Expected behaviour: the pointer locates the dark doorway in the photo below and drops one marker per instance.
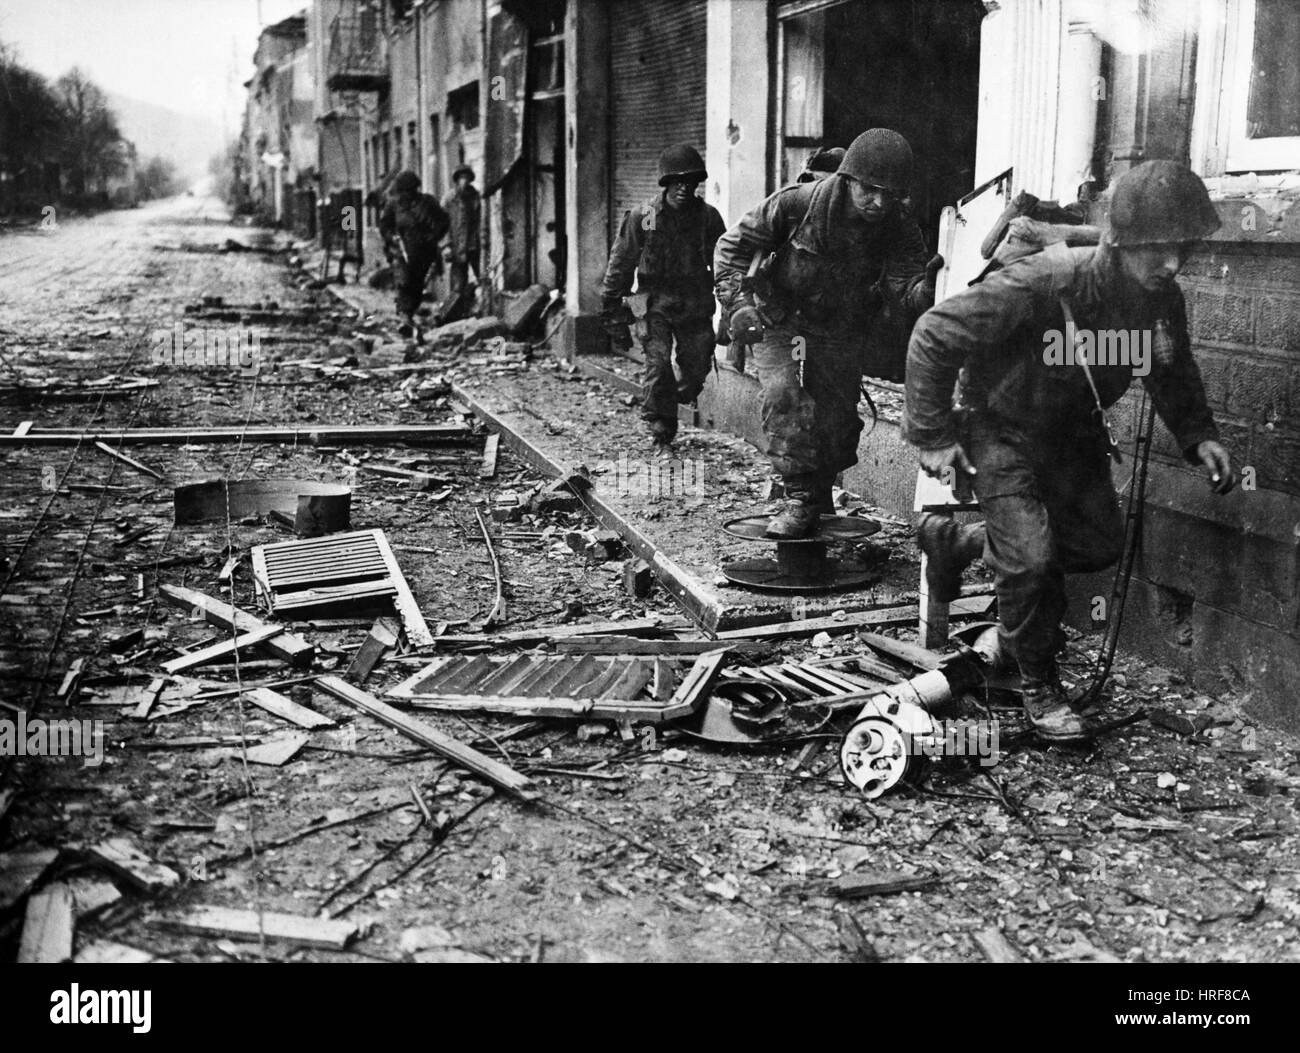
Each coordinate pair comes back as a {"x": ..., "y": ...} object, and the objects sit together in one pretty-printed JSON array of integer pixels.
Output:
[{"x": 859, "y": 64}]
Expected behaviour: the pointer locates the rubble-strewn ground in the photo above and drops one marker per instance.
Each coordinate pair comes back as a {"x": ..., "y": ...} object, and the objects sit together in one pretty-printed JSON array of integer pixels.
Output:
[{"x": 1152, "y": 845}]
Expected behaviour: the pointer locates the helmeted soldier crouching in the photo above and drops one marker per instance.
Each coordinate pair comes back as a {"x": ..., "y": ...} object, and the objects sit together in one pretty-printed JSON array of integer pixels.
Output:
[
  {"x": 411, "y": 224},
  {"x": 820, "y": 251},
  {"x": 1033, "y": 437},
  {"x": 667, "y": 243}
]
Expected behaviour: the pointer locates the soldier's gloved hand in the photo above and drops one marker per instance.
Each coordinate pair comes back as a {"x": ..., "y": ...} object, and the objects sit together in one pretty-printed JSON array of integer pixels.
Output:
[
  {"x": 620, "y": 337},
  {"x": 948, "y": 464},
  {"x": 932, "y": 270},
  {"x": 746, "y": 325},
  {"x": 1218, "y": 464}
]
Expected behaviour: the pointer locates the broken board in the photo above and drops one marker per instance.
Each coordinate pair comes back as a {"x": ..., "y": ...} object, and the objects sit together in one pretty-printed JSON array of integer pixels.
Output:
[
  {"x": 293, "y": 649},
  {"x": 248, "y": 924},
  {"x": 453, "y": 749}
]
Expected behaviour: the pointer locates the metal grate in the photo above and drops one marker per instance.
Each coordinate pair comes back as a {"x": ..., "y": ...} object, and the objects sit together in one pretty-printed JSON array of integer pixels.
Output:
[
  {"x": 356, "y": 568},
  {"x": 616, "y": 687}
]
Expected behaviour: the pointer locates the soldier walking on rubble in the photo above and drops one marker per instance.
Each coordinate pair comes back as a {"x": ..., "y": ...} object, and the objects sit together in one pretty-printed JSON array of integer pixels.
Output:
[
  {"x": 1033, "y": 436},
  {"x": 820, "y": 251},
  {"x": 411, "y": 225},
  {"x": 667, "y": 243},
  {"x": 463, "y": 209}
]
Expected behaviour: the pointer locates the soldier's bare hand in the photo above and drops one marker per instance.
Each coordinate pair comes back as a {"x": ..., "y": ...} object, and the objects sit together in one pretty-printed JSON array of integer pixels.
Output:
[
  {"x": 937, "y": 463},
  {"x": 1218, "y": 465}
]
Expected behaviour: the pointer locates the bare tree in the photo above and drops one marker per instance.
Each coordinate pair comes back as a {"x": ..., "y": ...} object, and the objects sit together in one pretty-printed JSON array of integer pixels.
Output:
[{"x": 90, "y": 131}]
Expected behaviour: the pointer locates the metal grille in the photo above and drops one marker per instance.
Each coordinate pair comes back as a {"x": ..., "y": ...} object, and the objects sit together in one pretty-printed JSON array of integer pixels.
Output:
[{"x": 658, "y": 72}]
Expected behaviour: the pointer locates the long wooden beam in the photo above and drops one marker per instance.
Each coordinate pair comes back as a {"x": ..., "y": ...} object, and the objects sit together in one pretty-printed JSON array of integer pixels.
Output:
[
  {"x": 343, "y": 434},
  {"x": 426, "y": 735}
]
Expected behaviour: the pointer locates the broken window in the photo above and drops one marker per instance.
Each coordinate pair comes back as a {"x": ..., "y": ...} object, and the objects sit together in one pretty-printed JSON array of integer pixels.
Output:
[{"x": 462, "y": 105}]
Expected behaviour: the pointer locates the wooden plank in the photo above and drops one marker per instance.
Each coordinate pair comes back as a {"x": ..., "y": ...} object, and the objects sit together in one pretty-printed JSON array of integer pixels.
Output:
[
  {"x": 417, "y": 631},
  {"x": 151, "y": 694},
  {"x": 127, "y": 861},
  {"x": 91, "y": 895},
  {"x": 249, "y": 924},
  {"x": 488, "y": 469},
  {"x": 71, "y": 681},
  {"x": 971, "y": 606},
  {"x": 694, "y": 687},
  {"x": 287, "y": 709},
  {"x": 285, "y": 645},
  {"x": 131, "y": 461},
  {"x": 222, "y": 648},
  {"x": 632, "y": 645},
  {"x": 920, "y": 657},
  {"x": 453, "y": 749},
  {"x": 883, "y": 883},
  {"x": 48, "y": 925},
  {"x": 19, "y": 871},
  {"x": 332, "y": 435},
  {"x": 383, "y": 635},
  {"x": 277, "y": 750},
  {"x": 995, "y": 946},
  {"x": 514, "y": 706}
]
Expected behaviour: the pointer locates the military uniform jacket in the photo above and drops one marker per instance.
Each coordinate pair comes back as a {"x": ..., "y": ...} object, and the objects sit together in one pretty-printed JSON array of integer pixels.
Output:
[
  {"x": 462, "y": 207},
  {"x": 995, "y": 335},
  {"x": 828, "y": 266},
  {"x": 670, "y": 251},
  {"x": 421, "y": 226}
]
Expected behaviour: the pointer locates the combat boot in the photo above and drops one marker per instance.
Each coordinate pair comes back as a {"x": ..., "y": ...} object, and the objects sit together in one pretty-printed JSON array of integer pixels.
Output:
[
  {"x": 798, "y": 516},
  {"x": 824, "y": 493},
  {"x": 662, "y": 434},
  {"x": 950, "y": 547},
  {"x": 1048, "y": 709}
]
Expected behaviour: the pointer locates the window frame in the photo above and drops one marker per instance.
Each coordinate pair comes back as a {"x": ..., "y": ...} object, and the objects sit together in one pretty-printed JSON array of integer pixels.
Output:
[{"x": 1223, "y": 65}]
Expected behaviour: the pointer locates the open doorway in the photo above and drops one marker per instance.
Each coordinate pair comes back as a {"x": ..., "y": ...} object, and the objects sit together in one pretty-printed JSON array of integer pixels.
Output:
[{"x": 849, "y": 65}]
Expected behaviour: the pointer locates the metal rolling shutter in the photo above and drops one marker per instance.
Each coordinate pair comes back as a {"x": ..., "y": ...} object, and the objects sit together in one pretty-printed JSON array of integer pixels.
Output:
[{"x": 658, "y": 72}]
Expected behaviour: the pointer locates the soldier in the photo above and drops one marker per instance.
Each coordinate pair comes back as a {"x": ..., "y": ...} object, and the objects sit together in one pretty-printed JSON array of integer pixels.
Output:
[
  {"x": 463, "y": 209},
  {"x": 1032, "y": 436},
  {"x": 412, "y": 224},
  {"x": 820, "y": 250},
  {"x": 668, "y": 243},
  {"x": 821, "y": 164}
]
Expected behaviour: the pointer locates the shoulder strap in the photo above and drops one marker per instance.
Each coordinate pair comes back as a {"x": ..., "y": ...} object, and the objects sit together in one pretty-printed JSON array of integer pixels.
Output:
[{"x": 1071, "y": 329}]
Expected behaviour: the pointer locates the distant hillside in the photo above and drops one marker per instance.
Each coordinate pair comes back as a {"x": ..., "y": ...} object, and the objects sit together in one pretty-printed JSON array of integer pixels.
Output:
[{"x": 187, "y": 140}]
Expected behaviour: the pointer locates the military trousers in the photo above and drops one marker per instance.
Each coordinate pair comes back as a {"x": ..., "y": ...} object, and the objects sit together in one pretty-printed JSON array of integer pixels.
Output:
[
  {"x": 661, "y": 391},
  {"x": 809, "y": 391},
  {"x": 1049, "y": 509}
]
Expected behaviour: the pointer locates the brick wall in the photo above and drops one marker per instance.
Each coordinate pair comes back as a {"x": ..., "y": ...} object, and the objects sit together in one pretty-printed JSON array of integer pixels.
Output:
[{"x": 1244, "y": 307}]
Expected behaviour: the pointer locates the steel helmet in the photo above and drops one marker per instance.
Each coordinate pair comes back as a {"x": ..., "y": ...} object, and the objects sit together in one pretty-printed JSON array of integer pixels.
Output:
[
  {"x": 683, "y": 162},
  {"x": 1160, "y": 201},
  {"x": 405, "y": 180},
  {"x": 879, "y": 157}
]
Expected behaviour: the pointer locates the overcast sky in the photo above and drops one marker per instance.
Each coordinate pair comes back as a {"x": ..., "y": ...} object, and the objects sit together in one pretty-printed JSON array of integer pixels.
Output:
[{"x": 188, "y": 55}]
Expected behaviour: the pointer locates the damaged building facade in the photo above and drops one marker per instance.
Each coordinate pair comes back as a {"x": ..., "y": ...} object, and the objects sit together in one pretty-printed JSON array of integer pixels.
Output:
[{"x": 562, "y": 106}]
